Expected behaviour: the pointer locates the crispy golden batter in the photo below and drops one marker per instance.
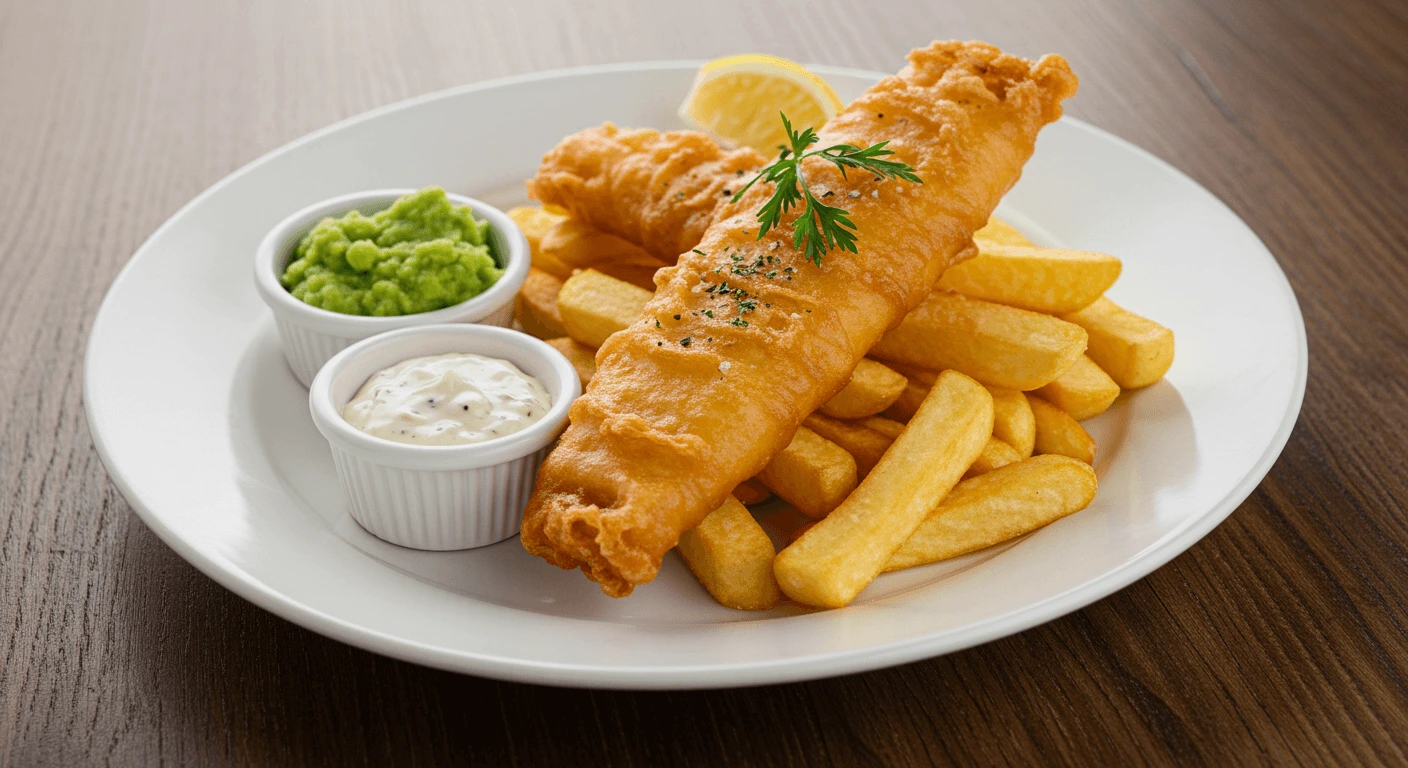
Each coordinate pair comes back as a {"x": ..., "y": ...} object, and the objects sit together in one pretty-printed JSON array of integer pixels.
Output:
[
  {"x": 684, "y": 406},
  {"x": 657, "y": 190}
]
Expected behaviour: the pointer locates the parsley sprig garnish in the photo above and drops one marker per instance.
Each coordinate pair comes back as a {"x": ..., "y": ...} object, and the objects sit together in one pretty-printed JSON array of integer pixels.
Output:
[{"x": 820, "y": 227}]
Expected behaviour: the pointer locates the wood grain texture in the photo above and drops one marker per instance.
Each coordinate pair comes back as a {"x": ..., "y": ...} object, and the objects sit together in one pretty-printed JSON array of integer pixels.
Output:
[{"x": 1282, "y": 638}]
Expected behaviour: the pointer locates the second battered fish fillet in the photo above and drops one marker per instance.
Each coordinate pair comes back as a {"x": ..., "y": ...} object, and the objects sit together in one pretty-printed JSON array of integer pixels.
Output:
[
  {"x": 744, "y": 337},
  {"x": 657, "y": 190}
]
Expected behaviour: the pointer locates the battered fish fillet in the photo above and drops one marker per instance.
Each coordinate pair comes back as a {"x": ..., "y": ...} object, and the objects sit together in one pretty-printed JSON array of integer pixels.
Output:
[
  {"x": 660, "y": 191},
  {"x": 744, "y": 337}
]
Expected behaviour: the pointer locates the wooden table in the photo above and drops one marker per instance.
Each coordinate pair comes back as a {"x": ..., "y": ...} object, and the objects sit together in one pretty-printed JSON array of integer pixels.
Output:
[{"x": 1281, "y": 638}]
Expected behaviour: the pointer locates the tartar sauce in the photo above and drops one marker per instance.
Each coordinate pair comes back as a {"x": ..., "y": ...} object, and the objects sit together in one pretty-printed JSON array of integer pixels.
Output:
[{"x": 452, "y": 399}]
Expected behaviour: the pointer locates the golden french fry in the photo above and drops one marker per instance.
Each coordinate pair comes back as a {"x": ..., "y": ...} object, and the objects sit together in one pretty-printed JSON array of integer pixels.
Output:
[
  {"x": 1058, "y": 433},
  {"x": 887, "y": 427},
  {"x": 594, "y": 305},
  {"x": 732, "y": 557},
  {"x": 865, "y": 445},
  {"x": 1012, "y": 416},
  {"x": 831, "y": 563},
  {"x": 751, "y": 492},
  {"x": 907, "y": 403},
  {"x": 1050, "y": 280},
  {"x": 873, "y": 388},
  {"x": 994, "y": 343},
  {"x": 1134, "y": 350},
  {"x": 1083, "y": 392},
  {"x": 800, "y": 531},
  {"x": 580, "y": 246},
  {"x": 996, "y": 454},
  {"x": 919, "y": 381},
  {"x": 581, "y": 356},
  {"x": 1012, "y": 420},
  {"x": 536, "y": 222},
  {"x": 999, "y": 232},
  {"x": 812, "y": 473},
  {"x": 998, "y": 506},
  {"x": 537, "y": 305}
]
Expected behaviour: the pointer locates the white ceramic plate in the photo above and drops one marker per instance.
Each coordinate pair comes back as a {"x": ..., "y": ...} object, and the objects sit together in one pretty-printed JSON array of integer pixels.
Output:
[{"x": 207, "y": 434}]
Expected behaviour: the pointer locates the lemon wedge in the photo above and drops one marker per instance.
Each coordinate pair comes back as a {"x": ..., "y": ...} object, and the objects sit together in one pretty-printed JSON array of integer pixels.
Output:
[{"x": 738, "y": 98}]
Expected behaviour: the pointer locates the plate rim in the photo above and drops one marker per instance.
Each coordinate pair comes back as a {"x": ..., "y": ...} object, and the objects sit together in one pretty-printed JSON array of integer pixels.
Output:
[{"x": 687, "y": 677}]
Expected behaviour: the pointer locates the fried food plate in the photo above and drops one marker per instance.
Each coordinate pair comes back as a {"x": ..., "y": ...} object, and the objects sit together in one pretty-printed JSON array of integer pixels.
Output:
[{"x": 207, "y": 433}]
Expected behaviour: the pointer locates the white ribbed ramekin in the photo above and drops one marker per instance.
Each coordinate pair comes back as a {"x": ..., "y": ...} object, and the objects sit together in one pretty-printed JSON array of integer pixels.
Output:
[
  {"x": 311, "y": 336},
  {"x": 439, "y": 496}
]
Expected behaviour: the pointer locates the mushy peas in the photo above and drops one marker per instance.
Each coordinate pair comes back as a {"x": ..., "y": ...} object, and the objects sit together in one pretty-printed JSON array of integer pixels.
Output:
[{"x": 421, "y": 254}]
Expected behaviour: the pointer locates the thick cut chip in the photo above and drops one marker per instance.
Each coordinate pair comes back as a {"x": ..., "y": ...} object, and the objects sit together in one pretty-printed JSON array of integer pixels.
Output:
[
  {"x": 831, "y": 563},
  {"x": 537, "y": 305},
  {"x": 812, "y": 473},
  {"x": 864, "y": 444},
  {"x": 1012, "y": 421},
  {"x": 1058, "y": 433},
  {"x": 580, "y": 246},
  {"x": 1049, "y": 280},
  {"x": 1134, "y": 350},
  {"x": 996, "y": 454},
  {"x": 873, "y": 388},
  {"x": 1083, "y": 392},
  {"x": 907, "y": 403},
  {"x": 999, "y": 232},
  {"x": 1000, "y": 505},
  {"x": 993, "y": 343},
  {"x": 594, "y": 306},
  {"x": 732, "y": 557},
  {"x": 535, "y": 222}
]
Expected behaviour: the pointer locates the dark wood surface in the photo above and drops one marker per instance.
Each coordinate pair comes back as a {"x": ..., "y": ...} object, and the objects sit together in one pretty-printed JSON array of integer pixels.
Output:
[{"x": 1282, "y": 638}]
